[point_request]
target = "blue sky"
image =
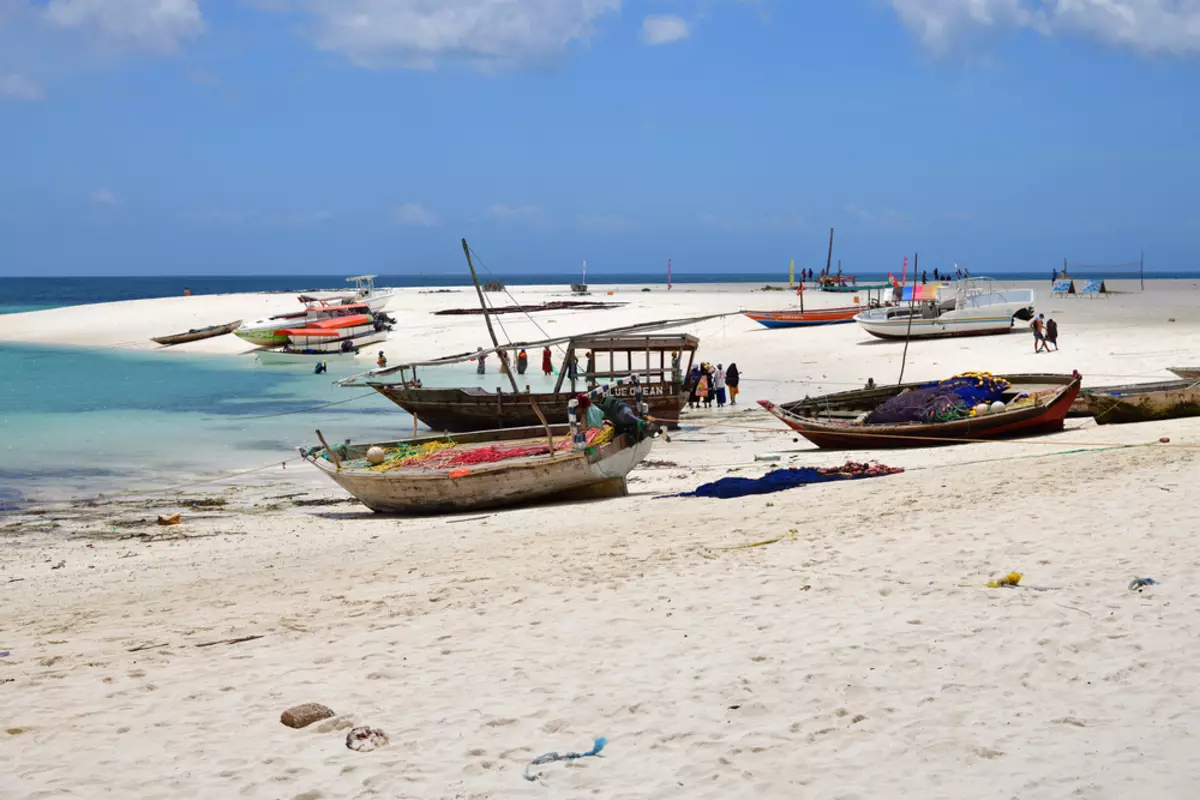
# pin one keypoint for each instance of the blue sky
(325, 136)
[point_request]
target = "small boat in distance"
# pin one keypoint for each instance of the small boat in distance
(1144, 402)
(976, 309)
(197, 334)
(842, 421)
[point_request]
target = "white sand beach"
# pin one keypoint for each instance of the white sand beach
(858, 655)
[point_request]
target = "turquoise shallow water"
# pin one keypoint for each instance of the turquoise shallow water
(77, 422)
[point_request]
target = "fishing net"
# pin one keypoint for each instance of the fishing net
(940, 401)
(445, 454)
(779, 479)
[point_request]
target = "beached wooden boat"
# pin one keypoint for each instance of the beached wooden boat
(478, 409)
(1186, 372)
(833, 421)
(1144, 402)
(570, 474)
(198, 334)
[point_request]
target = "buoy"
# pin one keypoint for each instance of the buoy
(375, 455)
(981, 409)
(997, 406)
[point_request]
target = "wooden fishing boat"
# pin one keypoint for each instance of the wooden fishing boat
(198, 334)
(1144, 402)
(478, 409)
(834, 421)
(1186, 372)
(488, 469)
(803, 319)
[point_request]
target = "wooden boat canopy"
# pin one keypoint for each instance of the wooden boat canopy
(458, 358)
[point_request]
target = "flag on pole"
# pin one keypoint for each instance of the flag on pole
(800, 287)
(904, 276)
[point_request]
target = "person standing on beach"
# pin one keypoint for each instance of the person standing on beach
(676, 375)
(693, 383)
(719, 385)
(702, 388)
(187, 292)
(1038, 335)
(522, 361)
(480, 361)
(381, 362)
(925, 277)
(1051, 334)
(732, 377)
(547, 365)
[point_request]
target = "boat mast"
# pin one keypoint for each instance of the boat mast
(500, 354)
(829, 256)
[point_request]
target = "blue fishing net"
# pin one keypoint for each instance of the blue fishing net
(940, 401)
(787, 478)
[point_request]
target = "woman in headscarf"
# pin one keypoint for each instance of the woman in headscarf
(702, 388)
(731, 380)
(692, 384)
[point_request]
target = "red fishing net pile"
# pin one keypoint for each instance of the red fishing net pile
(465, 456)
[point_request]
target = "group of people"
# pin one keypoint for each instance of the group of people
(1045, 333)
(520, 357)
(707, 383)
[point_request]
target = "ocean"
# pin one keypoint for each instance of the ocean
(80, 422)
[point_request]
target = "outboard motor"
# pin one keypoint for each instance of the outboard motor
(623, 418)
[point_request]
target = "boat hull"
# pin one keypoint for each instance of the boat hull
(459, 410)
(575, 475)
(1146, 403)
(1186, 372)
(197, 335)
(833, 435)
(313, 353)
(938, 328)
(804, 319)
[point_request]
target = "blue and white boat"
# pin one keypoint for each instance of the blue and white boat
(976, 308)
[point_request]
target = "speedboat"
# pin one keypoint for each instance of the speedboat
(338, 336)
(269, 332)
(976, 308)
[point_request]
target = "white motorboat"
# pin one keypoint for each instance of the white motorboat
(364, 292)
(977, 308)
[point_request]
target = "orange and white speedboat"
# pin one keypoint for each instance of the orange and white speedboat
(337, 336)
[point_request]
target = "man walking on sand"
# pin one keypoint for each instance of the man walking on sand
(1038, 328)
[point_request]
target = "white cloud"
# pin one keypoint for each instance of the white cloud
(771, 222)
(888, 217)
(16, 86)
(422, 34)
(414, 214)
(664, 29)
(605, 223)
(103, 197)
(524, 214)
(155, 26)
(1150, 26)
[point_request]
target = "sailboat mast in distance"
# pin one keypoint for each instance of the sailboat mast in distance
(792, 273)
(668, 274)
(584, 281)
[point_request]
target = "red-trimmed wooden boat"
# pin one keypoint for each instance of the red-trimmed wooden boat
(831, 421)
(803, 319)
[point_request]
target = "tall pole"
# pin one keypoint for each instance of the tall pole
(483, 303)
(1142, 270)
(908, 335)
(829, 256)
(668, 274)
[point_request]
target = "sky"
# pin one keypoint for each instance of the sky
(324, 136)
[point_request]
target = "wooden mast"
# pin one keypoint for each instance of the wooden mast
(500, 354)
(829, 256)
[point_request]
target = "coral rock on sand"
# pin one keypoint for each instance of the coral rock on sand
(365, 739)
(305, 714)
